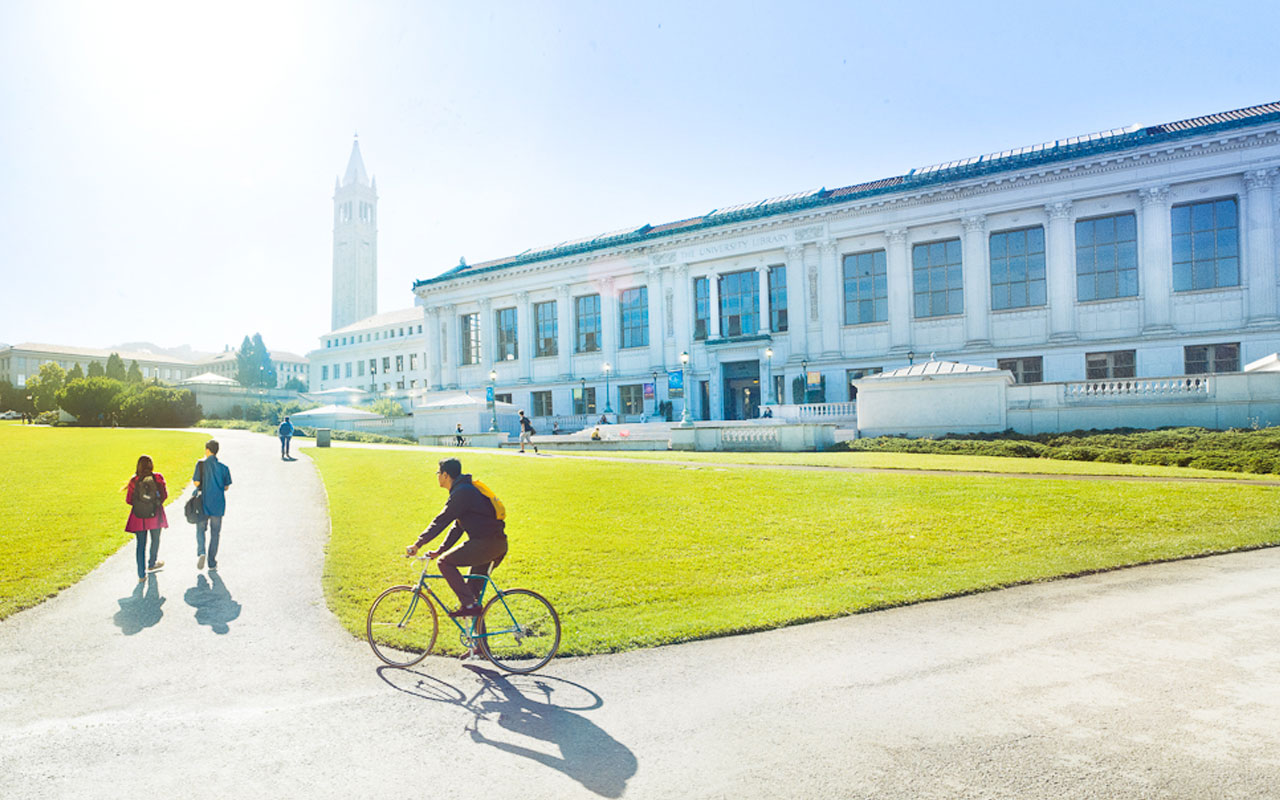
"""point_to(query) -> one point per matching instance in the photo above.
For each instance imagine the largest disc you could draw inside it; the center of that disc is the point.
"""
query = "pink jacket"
(136, 524)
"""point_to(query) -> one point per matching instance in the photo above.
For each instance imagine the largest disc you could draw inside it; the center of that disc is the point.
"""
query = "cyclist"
(473, 509)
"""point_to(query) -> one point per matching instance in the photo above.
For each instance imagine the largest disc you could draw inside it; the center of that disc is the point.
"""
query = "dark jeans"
(143, 563)
(284, 445)
(215, 531)
(482, 555)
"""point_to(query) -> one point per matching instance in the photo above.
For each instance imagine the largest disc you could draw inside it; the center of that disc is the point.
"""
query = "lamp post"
(493, 391)
(685, 422)
(804, 380)
(654, 375)
(608, 408)
(911, 357)
(582, 382)
(773, 395)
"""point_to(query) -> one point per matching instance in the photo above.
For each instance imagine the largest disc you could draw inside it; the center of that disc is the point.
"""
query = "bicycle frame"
(471, 632)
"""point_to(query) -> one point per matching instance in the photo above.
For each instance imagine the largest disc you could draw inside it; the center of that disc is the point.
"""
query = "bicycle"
(518, 629)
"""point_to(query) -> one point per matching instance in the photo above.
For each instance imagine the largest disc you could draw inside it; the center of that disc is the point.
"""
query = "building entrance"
(741, 389)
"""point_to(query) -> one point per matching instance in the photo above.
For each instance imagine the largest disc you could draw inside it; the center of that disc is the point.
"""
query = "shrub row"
(310, 433)
(1256, 451)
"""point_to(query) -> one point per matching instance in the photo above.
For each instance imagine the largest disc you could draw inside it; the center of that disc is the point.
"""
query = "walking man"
(526, 432)
(212, 479)
(285, 431)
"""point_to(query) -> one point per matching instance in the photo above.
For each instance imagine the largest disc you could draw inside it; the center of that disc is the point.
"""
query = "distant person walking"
(213, 479)
(145, 493)
(458, 441)
(285, 431)
(526, 433)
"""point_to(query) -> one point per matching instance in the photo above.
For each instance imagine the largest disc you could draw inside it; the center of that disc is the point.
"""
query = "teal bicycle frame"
(469, 633)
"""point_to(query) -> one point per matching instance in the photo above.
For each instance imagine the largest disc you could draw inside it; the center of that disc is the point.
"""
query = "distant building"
(20, 362)
(288, 365)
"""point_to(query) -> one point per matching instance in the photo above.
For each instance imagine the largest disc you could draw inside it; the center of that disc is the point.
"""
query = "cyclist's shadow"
(588, 754)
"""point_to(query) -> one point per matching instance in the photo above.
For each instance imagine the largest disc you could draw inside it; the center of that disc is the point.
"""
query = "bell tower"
(355, 243)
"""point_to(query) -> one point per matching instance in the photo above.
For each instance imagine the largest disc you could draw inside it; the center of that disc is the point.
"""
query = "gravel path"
(1162, 681)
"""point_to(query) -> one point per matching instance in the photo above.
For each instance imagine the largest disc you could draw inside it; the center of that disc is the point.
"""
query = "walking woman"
(145, 494)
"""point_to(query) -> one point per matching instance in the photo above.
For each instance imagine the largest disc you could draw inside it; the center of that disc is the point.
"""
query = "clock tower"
(355, 243)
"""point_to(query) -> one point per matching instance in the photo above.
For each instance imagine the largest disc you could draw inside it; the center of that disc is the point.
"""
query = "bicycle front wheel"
(402, 626)
(518, 631)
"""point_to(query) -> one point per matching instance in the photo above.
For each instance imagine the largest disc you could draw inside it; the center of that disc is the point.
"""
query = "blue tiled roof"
(1009, 160)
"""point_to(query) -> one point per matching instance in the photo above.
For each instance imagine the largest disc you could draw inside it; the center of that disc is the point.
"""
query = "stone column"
(830, 294)
(976, 279)
(1060, 272)
(524, 336)
(898, 269)
(654, 284)
(683, 310)
(797, 314)
(609, 322)
(1155, 262)
(564, 333)
(431, 368)
(713, 306)
(449, 350)
(488, 336)
(763, 274)
(1260, 255)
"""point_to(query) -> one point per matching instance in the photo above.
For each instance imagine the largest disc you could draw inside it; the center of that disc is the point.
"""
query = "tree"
(75, 373)
(91, 400)
(96, 370)
(159, 406)
(115, 367)
(135, 372)
(386, 407)
(253, 362)
(45, 386)
(295, 385)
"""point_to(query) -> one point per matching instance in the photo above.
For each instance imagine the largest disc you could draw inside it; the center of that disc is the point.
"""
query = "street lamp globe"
(685, 421)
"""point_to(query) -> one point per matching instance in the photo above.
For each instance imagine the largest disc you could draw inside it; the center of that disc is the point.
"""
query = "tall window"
(739, 303)
(386, 364)
(1107, 257)
(399, 363)
(701, 308)
(777, 298)
(1206, 245)
(1025, 370)
(324, 372)
(541, 402)
(544, 319)
(631, 398)
(348, 370)
(504, 322)
(360, 369)
(1115, 364)
(1017, 268)
(587, 323)
(413, 361)
(1203, 358)
(866, 290)
(633, 305)
(938, 280)
(584, 400)
(470, 339)
(373, 366)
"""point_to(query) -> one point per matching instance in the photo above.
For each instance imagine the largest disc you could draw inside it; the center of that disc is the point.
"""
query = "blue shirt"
(213, 485)
(286, 428)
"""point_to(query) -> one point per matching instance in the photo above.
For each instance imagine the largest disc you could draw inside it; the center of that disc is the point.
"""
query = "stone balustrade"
(1139, 389)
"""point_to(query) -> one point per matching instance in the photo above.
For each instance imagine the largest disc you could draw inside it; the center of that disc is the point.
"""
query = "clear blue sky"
(168, 167)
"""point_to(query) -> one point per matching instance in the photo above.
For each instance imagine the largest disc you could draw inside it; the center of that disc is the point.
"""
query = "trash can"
(322, 437)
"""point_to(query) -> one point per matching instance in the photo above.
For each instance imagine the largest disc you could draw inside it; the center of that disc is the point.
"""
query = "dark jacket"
(470, 510)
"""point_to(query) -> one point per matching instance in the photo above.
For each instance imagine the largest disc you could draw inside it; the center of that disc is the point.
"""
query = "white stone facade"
(1151, 301)
(21, 362)
(383, 354)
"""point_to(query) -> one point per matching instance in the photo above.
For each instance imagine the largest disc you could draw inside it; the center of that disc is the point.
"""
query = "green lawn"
(921, 461)
(63, 509)
(639, 554)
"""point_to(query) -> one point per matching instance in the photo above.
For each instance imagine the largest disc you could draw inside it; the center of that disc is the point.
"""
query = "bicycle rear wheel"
(402, 626)
(518, 631)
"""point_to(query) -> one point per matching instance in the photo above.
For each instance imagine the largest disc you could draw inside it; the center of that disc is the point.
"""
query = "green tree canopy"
(386, 407)
(91, 400)
(253, 362)
(115, 367)
(96, 370)
(75, 373)
(295, 385)
(45, 386)
(135, 372)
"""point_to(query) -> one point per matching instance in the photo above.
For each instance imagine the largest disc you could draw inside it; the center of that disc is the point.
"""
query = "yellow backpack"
(498, 508)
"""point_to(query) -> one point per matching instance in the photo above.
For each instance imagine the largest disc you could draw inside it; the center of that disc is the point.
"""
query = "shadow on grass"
(142, 609)
(518, 714)
(212, 602)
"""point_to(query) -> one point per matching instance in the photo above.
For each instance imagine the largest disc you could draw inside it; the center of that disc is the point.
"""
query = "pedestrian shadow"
(212, 602)
(520, 709)
(142, 609)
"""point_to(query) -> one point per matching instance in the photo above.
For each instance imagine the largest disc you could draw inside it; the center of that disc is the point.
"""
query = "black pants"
(482, 555)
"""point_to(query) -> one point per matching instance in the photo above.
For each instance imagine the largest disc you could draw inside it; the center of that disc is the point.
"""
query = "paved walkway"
(1162, 681)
